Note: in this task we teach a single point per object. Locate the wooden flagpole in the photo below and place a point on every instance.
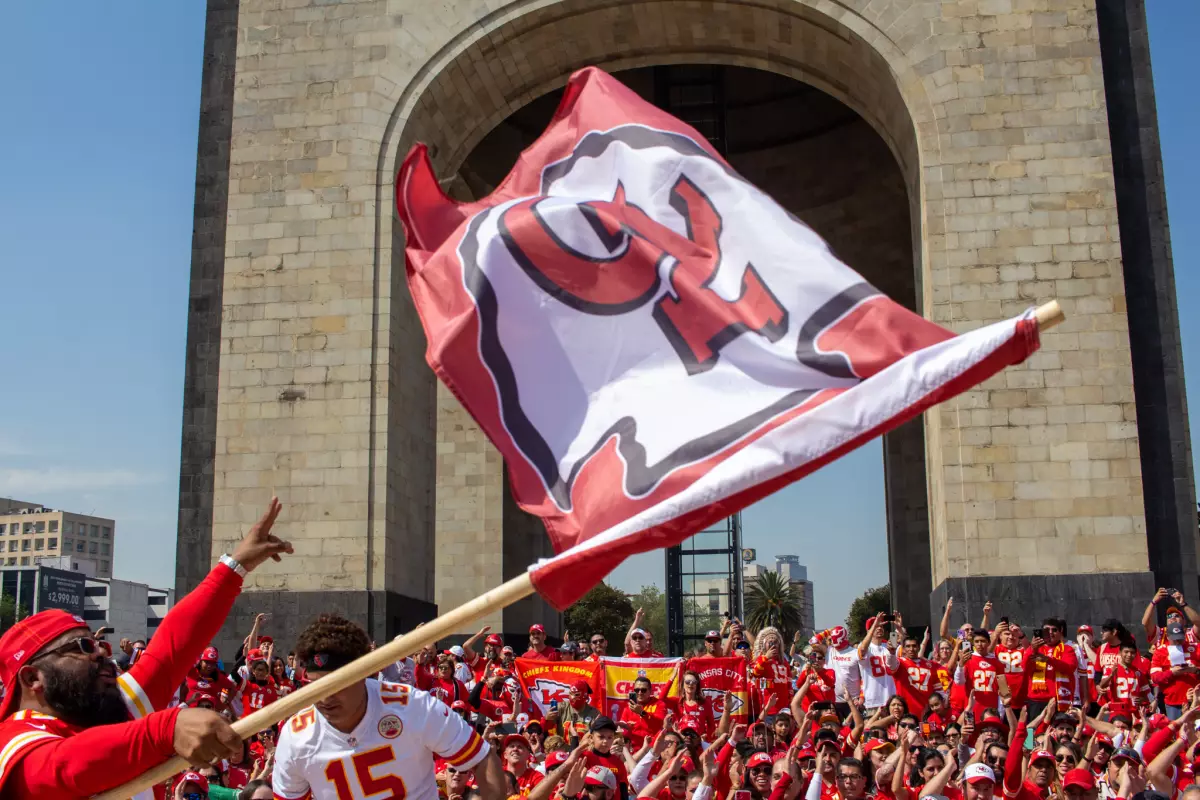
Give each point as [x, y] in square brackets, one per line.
[520, 587]
[502, 596]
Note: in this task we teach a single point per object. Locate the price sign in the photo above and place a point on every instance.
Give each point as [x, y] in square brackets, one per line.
[60, 589]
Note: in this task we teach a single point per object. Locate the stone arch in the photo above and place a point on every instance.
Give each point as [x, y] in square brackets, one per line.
[510, 58]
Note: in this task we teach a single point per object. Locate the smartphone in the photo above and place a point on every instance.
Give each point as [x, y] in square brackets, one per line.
[1004, 620]
[507, 728]
[968, 717]
[925, 729]
[888, 618]
[1040, 633]
[633, 698]
[553, 704]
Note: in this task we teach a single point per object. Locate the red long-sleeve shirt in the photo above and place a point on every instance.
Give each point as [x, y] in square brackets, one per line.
[45, 758]
[1054, 676]
[1015, 785]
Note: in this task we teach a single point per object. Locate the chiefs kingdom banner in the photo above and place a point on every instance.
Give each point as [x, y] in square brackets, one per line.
[651, 342]
[545, 682]
[621, 672]
[721, 675]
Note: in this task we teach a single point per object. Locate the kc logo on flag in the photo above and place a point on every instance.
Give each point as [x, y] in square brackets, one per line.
[650, 341]
[545, 682]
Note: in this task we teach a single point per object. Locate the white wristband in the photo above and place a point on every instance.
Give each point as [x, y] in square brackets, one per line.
[229, 561]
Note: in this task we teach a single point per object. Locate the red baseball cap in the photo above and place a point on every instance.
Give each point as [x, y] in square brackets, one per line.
[255, 655]
[459, 705]
[870, 621]
[196, 778]
[265, 640]
[1083, 628]
[494, 640]
[871, 745]
[759, 759]
[536, 628]
[209, 654]
[806, 752]
[515, 738]
[195, 698]
[22, 642]
[1041, 755]
[582, 686]
[555, 758]
[1082, 778]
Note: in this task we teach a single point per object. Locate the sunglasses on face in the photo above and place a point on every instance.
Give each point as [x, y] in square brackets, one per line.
[1065, 758]
[680, 777]
[639, 638]
[640, 690]
[84, 644]
[906, 726]
[760, 770]
[599, 641]
[690, 683]
[854, 777]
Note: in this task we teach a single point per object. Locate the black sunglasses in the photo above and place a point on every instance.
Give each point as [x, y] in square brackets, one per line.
[599, 641]
[84, 644]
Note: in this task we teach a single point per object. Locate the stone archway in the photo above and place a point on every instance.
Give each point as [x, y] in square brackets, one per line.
[792, 40]
[305, 369]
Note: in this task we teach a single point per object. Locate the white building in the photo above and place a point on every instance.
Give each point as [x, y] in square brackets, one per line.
[133, 610]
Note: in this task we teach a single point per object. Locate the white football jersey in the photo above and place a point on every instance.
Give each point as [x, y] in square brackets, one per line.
[847, 677]
[389, 754]
[876, 671]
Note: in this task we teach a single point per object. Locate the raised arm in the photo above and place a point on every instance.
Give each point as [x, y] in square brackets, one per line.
[1150, 618]
[936, 785]
[469, 653]
[637, 623]
[987, 615]
[944, 628]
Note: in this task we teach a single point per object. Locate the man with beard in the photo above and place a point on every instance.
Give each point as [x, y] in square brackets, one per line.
[72, 729]
[537, 645]
[481, 665]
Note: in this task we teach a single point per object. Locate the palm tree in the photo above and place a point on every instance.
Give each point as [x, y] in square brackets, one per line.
[771, 600]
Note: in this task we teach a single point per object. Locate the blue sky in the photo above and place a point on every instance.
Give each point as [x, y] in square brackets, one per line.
[98, 161]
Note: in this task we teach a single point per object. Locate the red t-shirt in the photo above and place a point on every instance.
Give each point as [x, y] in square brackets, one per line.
[528, 779]
[547, 654]
[772, 683]
[981, 677]
[698, 715]
[608, 760]
[1013, 661]
[638, 727]
[915, 682]
[257, 695]
[219, 685]
[821, 688]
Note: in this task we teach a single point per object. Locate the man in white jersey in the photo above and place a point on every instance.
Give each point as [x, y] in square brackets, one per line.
[371, 739]
[877, 663]
[842, 658]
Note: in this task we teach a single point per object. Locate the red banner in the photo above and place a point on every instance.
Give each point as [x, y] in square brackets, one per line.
[721, 675]
[546, 682]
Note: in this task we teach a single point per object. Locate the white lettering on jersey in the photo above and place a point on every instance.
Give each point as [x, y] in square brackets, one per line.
[388, 756]
[844, 664]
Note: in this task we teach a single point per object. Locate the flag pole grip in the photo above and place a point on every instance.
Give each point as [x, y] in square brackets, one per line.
[1048, 315]
[502, 596]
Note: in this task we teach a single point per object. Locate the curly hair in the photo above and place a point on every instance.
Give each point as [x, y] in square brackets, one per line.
[333, 634]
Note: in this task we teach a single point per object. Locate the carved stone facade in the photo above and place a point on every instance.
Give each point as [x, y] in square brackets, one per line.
[1023, 166]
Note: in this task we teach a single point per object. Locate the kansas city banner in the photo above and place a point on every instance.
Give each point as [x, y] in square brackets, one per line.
[651, 342]
[547, 682]
[721, 675]
[620, 673]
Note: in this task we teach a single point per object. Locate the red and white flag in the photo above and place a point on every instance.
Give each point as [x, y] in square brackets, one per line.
[653, 343]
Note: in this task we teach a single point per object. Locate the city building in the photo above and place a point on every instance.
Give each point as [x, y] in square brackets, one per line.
[791, 568]
[132, 610]
[787, 566]
[30, 532]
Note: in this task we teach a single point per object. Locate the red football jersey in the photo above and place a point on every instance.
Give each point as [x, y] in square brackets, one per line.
[981, 673]
[1013, 659]
[257, 695]
[915, 682]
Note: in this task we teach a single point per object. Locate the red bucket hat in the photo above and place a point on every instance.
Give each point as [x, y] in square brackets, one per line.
[22, 642]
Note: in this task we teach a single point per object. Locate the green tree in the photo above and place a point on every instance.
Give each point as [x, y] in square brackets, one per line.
[870, 603]
[603, 610]
[653, 603]
[771, 600]
[10, 612]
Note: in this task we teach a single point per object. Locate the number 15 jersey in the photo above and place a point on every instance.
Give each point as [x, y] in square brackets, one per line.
[388, 756]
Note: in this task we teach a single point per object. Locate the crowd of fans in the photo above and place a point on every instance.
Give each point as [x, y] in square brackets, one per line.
[988, 709]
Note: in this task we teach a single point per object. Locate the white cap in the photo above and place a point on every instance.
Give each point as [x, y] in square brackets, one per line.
[457, 651]
[601, 776]
[639, 630]
[978, 772]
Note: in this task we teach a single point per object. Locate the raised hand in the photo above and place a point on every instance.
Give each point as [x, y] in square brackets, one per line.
[258, 545]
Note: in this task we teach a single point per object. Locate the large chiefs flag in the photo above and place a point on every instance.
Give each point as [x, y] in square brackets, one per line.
[650, 341]
[546, 682]
[721, 675]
